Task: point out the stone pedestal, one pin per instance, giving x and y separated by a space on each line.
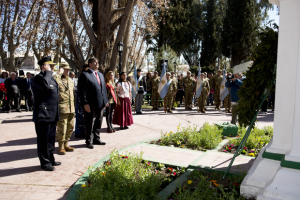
275 173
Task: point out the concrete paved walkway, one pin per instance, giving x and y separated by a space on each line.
22 178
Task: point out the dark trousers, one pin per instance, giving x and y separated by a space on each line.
93 123
45 132
14 99
264 106
109 115
234 114
179 96
210 99
28 100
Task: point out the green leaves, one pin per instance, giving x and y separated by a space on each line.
260 76
208 137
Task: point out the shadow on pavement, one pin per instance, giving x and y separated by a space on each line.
23 154
16 121
26 141
21 170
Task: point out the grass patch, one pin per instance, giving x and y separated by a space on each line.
207 137
258 138
128 177
206 185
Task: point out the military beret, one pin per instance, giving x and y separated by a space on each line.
64 65
46 60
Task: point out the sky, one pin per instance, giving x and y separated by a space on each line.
273 14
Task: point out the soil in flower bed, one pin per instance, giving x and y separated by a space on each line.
207 185
128 177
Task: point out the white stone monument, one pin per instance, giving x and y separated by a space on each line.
275 173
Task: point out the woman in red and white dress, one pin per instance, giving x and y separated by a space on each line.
123 113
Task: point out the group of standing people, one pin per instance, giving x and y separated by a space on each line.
54 106
13 89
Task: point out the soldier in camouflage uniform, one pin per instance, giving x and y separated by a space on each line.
218 82
204 92
168 100
153 83
176 84
65 125
189 90
227 101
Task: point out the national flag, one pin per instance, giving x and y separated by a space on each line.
199 83
163 86
223 91
134 83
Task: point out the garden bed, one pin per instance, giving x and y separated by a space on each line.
206 138
128 177
258 138
209 185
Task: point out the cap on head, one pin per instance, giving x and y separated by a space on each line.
205 73
172 72
64 66
155 72
46 60
219 70
188 72
168 73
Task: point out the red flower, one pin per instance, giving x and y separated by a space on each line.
229 148
126 157
170 169
108 163
174 174
236 184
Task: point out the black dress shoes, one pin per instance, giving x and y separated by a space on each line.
126 127
90 146
56 163
99 142
48 168
139 113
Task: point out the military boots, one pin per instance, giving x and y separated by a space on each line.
61 148
67 148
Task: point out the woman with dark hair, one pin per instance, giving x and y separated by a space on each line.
4 76
123 113
110 86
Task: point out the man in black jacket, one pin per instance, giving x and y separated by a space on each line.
13 87
45 113
27 91
93 97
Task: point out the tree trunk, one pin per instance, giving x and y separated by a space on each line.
126 42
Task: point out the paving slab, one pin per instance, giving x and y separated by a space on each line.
19 165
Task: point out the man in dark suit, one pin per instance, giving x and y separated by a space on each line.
45 113
93 97
13 87
26 84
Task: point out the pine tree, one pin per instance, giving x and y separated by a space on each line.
210 42
239 30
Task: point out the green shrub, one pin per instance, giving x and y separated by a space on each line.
257 139
208 137
129 178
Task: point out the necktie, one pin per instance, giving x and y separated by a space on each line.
97 78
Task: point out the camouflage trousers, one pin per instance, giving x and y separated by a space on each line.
173 100
202 101
155 99
217 98
227 102
188 97
168 101
65 127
